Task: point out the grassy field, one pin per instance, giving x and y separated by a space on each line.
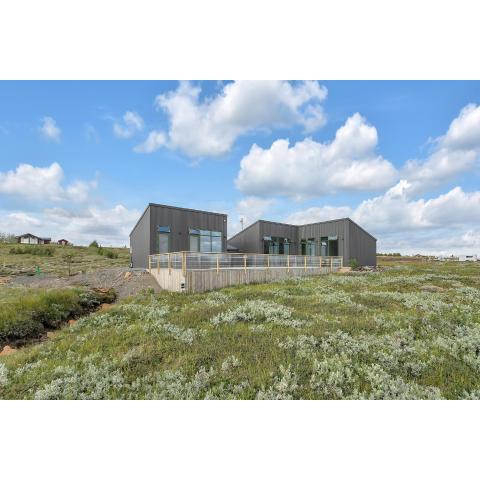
56 259
26 314
409 332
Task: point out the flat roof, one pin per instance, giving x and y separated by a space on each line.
186 209
305 225
172 207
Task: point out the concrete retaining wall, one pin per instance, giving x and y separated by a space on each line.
197 281
171 281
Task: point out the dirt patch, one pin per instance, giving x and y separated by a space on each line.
7 350
105 307
125 282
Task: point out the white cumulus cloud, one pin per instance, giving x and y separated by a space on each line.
131 123
49 129
33 182
209 127
42 203
396 210
153 142
318 214
250 209
309 168
456 152
23 219
109 226
42 183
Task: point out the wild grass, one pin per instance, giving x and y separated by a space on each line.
409 332
57 259
25 314
38 250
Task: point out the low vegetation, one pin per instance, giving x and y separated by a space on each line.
107 252
25 314
38 250
408 332
6 237
57 259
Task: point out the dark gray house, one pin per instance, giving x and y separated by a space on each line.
342 237
163 228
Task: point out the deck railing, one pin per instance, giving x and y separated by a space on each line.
190 261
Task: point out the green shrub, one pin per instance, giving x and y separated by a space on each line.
353 263
26 314
94 244
105 252
40 250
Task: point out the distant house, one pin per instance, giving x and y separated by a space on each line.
63 242
467 258
32 239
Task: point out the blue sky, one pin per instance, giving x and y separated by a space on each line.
81 160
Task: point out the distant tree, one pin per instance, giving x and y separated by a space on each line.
7 237
94 244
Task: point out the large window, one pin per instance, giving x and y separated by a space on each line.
333 246
324 246
276 245
205 241
163 239
194 243
308 246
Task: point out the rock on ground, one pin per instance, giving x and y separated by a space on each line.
7 350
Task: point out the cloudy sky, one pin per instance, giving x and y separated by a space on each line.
80 160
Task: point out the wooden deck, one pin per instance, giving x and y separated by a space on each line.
196 273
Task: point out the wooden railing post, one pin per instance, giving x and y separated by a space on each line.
218 265
288 263
331 264
268 261
169 265
158 264
305 261
245 263
184 263
149 264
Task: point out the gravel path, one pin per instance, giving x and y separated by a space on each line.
125 281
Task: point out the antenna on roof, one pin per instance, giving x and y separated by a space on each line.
241 221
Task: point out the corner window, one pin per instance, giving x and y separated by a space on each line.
205 241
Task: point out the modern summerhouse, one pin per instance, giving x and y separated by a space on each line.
186 249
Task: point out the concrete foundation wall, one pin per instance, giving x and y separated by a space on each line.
171 281
204 280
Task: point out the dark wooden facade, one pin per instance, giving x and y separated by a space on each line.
179 221
353 242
